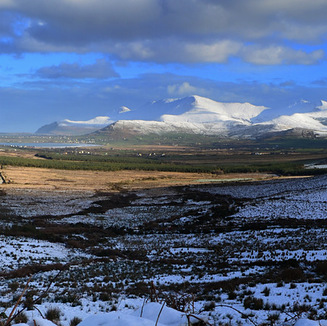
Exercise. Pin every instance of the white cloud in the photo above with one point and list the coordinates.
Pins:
(276, 55)
(216, 52)
(183, 89)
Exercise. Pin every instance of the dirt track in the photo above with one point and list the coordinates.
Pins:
(51, 179)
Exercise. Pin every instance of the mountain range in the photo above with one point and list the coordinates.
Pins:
(200, 115)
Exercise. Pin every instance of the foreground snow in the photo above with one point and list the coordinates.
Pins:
(168, 316)
(150, 313)
(307, 322)
(283, 265)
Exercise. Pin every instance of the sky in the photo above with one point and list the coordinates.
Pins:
(78, 59)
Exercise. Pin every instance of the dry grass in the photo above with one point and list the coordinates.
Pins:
(51, 179)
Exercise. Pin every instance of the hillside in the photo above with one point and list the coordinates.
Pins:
(69, 127)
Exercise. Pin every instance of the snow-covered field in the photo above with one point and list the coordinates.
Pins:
(231, 254)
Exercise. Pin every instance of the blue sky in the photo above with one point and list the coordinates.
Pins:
(78, 59)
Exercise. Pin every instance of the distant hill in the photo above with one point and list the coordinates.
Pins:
(72, 128)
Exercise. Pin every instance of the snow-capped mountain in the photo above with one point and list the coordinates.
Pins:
(70, 127)
(313, 117)
(191, 115)
(204, 110)
(199, 115)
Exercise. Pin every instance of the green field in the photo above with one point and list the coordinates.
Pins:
(180, 153)
(189, 160)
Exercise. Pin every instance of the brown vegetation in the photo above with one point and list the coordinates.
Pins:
(52, 179)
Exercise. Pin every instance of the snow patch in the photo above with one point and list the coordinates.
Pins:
(101, 120)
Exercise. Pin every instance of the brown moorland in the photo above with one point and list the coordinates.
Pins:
(53, 179)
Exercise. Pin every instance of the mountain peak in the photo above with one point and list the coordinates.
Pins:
(323, 106)
(201, 110)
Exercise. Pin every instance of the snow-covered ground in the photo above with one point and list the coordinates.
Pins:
(148, 314)
(243, 254)
(15, 253)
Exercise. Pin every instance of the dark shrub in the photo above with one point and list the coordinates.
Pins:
(292, 274)
(321, 268)
(253, 303)
(209, 306)
(266, 291)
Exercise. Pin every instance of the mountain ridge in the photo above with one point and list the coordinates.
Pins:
(200, 115)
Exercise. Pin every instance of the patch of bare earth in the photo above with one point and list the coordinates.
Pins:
(52, 179)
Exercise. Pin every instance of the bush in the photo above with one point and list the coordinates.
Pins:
(53, 314)
(21, 318)
(13, 286)
(209, 306)
(75, 321)
(29, 300)
(104, 296)
(273, 317)
(253, 303)
(266, 291)
(232, 295)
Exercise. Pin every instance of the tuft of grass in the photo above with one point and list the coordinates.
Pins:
(75, 321)
(53, 314)
(21, 318)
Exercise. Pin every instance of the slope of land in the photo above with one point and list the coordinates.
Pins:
(238, 253)
(102, 246)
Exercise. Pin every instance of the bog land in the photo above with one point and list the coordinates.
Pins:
(233, 235)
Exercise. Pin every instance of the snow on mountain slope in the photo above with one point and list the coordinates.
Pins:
(323, 105)
(204, 110)
(70, 127)
(102, 121)
(192, 115)
(302, 106)
(209, 117)
(194, 107)
(132, 127)
(155, 109)
(297, 120)
(315, 120)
